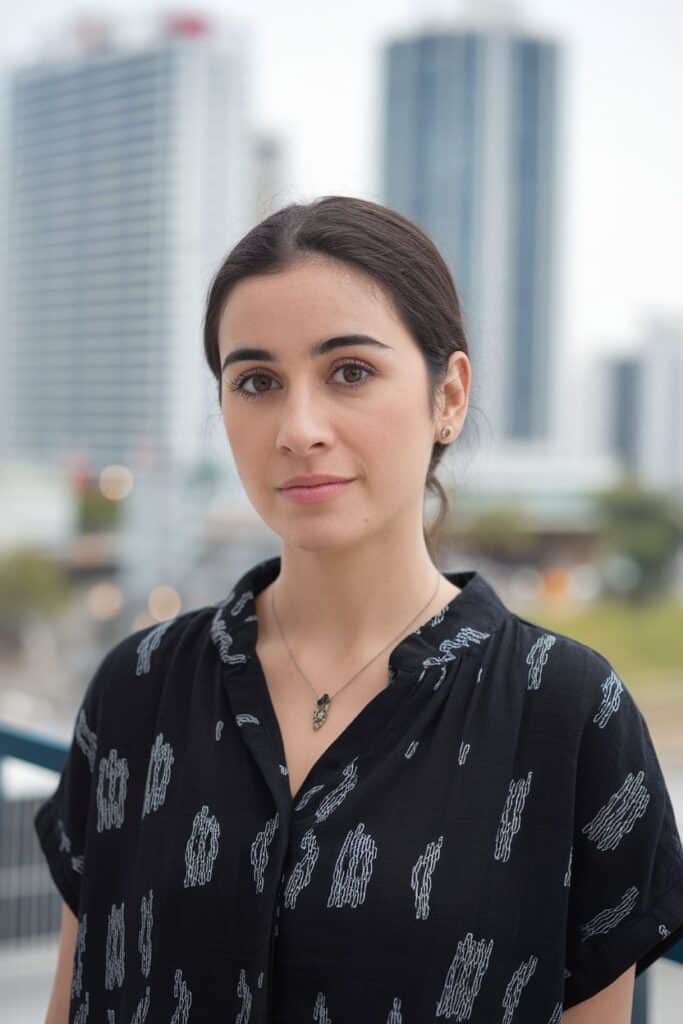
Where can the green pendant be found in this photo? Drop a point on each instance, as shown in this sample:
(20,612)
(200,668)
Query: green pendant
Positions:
(320,713)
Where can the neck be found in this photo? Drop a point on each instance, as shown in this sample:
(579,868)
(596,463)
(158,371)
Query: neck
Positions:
(350,605)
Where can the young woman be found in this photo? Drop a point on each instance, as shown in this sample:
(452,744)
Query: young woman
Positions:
(357,788)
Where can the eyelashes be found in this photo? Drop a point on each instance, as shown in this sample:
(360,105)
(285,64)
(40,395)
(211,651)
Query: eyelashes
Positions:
(238,384)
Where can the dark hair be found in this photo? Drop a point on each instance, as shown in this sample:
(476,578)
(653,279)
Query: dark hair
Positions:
(393,250)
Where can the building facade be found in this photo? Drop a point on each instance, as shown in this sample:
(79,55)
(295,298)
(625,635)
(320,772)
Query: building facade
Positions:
(126,182)
(470,152)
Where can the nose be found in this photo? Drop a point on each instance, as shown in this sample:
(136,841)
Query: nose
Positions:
(303,423)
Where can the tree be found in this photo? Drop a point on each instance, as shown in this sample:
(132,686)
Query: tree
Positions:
(504,532)
(646,527)
(31,582)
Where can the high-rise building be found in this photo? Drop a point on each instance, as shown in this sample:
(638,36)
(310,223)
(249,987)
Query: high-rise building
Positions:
(620,407)
(640,406)
(660,439)
(470,152)
(269,157)
(126,181)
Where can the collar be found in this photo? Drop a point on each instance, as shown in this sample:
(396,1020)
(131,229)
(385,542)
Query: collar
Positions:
(467,621)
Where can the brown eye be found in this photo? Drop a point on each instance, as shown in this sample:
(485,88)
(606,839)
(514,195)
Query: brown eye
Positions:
(251,376)
(354,366)
(238,385)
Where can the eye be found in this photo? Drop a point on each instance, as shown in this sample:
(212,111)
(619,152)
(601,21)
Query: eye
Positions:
(238,384)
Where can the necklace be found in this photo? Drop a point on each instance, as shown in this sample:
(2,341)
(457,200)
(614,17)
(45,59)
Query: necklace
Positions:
(324,701)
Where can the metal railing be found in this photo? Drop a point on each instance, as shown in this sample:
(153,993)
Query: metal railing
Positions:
(47,752)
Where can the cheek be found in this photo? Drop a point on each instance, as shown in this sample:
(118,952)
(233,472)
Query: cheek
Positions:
(373,437)
(247,445)
(392,455)
(396,433)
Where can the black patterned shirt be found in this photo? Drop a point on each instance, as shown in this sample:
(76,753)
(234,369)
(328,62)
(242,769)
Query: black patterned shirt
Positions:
(489,839)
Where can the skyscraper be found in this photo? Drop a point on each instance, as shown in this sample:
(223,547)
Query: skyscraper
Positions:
(470,152)
(126,182)
(660,440)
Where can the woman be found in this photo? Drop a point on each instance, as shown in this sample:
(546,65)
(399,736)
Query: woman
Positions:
(357,789)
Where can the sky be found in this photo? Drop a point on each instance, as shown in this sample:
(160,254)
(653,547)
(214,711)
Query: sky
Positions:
(316,85)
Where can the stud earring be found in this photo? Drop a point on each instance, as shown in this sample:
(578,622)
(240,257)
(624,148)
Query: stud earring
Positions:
(446,432)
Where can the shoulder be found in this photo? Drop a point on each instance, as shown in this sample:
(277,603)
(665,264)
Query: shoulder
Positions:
(138,664)
(563,665)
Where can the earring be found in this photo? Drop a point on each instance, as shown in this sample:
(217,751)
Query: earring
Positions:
(446,432)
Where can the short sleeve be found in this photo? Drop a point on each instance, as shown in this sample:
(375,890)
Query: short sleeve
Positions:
(62,821)
(625,869)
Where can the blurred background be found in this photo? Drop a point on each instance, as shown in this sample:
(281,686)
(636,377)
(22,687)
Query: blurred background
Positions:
(538,146)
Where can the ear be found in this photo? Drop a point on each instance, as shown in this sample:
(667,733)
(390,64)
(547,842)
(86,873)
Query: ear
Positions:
(453,395)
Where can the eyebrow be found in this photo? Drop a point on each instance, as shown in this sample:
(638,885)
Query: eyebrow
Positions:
(319,349)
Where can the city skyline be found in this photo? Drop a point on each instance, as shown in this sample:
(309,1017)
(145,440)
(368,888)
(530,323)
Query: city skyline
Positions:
(622,216)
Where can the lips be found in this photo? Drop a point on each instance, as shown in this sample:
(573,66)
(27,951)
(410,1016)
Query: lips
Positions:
(313,495)
(312,487)
(299,482)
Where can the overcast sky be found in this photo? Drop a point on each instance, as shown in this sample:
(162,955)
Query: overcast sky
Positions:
(316,85)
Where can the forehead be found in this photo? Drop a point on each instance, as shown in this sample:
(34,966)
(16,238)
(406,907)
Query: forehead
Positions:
(306,302)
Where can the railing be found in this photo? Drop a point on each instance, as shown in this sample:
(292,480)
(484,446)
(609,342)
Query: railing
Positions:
(46,752)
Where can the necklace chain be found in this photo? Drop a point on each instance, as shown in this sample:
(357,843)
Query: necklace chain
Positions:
(324,701)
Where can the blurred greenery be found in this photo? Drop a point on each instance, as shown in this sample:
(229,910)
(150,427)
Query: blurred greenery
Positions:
(504,533)
(646,527)
(31,582)
(645,645)
(96,512)
(636,534)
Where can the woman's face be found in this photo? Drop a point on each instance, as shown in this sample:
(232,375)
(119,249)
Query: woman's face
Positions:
(357,410)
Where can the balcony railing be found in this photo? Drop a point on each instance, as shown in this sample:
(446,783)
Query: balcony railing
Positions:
(31,905)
